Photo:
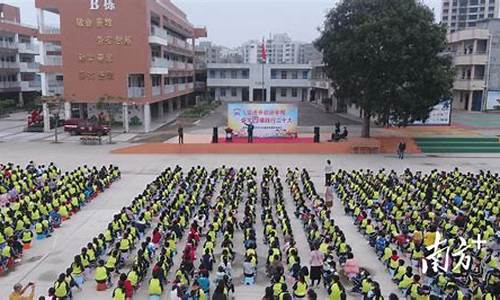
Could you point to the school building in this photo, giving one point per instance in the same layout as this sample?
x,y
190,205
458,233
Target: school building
x,y
134,56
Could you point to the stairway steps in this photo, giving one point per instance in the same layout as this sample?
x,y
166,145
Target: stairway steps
x,y
459,144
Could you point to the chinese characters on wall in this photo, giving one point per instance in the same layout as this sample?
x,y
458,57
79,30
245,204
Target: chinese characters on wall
x,y
102,40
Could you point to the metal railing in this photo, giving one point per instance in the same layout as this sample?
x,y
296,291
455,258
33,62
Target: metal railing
x,y
181,87
169,89
190,85
29,66
159,32
158,62
8,45
50,29
135,91
56,90
53,60
9,65
25,47
9,84
156,91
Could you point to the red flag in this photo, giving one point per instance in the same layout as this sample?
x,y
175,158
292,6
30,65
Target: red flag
x,y
264,52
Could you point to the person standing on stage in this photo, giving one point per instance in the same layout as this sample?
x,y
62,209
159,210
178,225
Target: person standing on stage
x,y
250,128
328,173
180,131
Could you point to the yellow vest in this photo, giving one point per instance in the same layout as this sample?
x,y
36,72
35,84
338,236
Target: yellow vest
x,y
154,287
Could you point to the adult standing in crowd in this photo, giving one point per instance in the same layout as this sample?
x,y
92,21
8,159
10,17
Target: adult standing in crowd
x,y
18,293
250,128
180,131
328,173
401,149
316,262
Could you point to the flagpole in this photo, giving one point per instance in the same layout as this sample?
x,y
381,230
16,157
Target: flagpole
x,y
263,62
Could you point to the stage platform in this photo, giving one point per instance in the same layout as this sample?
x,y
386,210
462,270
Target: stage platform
x,y
291,146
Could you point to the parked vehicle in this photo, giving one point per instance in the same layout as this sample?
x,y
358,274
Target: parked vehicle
x,y
85,127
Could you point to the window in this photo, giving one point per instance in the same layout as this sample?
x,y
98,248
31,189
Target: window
x,y
294,92
222,74
283,74
283,92
305,74
273,74
295,75
212,73
223,92
233,92
244,74
234,75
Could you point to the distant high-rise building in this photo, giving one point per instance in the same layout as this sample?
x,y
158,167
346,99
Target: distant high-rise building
x,y
461,14
280,49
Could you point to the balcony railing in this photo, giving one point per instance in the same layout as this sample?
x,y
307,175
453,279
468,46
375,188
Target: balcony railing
x,y
56,90
156,90
9,84
25,66
28,85
48,29
169,89
200,65
8,45
173,64
189,67
200,85
53,60
9,65
25,47
190,85
158,62
52,47
159,32
136,92
179,43
181,87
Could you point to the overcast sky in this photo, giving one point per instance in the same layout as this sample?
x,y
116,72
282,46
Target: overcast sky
x,y
232,22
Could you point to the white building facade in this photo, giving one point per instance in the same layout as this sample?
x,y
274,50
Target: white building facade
x,y
461,14
263,82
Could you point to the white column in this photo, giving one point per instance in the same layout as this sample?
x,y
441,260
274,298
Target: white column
x,y
250,94
470,101
67,110
268,94
41,19
147,118
125,117
46,118
308,95
161,113
43,53
170,103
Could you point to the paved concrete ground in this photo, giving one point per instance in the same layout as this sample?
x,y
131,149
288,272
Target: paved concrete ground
x,y
51,256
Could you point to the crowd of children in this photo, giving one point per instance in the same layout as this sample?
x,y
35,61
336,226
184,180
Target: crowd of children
x,y
36,199
331,256
425,228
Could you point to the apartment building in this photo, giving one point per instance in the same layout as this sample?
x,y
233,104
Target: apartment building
x,y
280,49
461,14
475,55
259,82
18,69
135,55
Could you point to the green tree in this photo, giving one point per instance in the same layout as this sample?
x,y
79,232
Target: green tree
x,y
386,57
